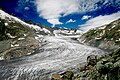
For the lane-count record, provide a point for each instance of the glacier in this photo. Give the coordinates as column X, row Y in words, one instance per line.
column 57, row 54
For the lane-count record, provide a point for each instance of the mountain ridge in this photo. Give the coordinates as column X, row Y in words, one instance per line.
column 18, row 38
column 106, row 37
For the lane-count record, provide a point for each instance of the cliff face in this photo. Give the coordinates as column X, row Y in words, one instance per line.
column 106, row 37
column 16, row 38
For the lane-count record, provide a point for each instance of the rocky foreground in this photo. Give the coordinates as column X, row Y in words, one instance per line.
column 106, row 67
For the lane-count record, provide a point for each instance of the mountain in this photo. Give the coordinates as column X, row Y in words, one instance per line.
column 106, row 37
column 18, row 38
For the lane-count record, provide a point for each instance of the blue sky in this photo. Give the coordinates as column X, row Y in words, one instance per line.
column 81, row 14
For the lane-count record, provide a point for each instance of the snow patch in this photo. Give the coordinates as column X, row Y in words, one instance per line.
column 1, row 58
column 37, row 28
column 46, row 30
column 83, row 41
column 10, row 36
column 36, row 37
column 103, row 27
column 103, row 32
column 6, row 24
column 78, row 32
column 97, row 38
column 24, row 34
column 111, row 38
column 16, row 45
column 118, row 40
column 21, row 38
column 12, row 45
column 113, row 26
column 29, row 53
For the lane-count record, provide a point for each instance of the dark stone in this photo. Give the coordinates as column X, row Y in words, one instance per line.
column 68, row 75
column 92, row 60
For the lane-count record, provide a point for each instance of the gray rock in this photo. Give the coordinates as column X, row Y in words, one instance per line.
column 91, row 60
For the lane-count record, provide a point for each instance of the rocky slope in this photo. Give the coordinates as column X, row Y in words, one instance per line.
column 105, row 37
column 106, row 67
column 18, row 38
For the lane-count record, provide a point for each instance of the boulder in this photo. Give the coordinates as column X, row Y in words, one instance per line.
column 91, row 60
column 56, row 77
column 68, row 75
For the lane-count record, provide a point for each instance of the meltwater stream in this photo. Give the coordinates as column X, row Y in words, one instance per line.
column 60, row 53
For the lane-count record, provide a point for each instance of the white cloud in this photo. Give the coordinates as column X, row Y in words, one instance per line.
column 71, row 20
column 85, row 17
column 55, row 9
column 99, row 21
column 26, row 8
column 54, row 21
column 27, row 0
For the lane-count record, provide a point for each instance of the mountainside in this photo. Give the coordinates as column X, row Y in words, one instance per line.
column 18, row 38
column 105, row 37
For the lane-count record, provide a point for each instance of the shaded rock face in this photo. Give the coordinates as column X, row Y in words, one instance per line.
column 16, row 40
column 105, row 37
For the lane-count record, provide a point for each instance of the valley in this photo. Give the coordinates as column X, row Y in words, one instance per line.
column 57, row 54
